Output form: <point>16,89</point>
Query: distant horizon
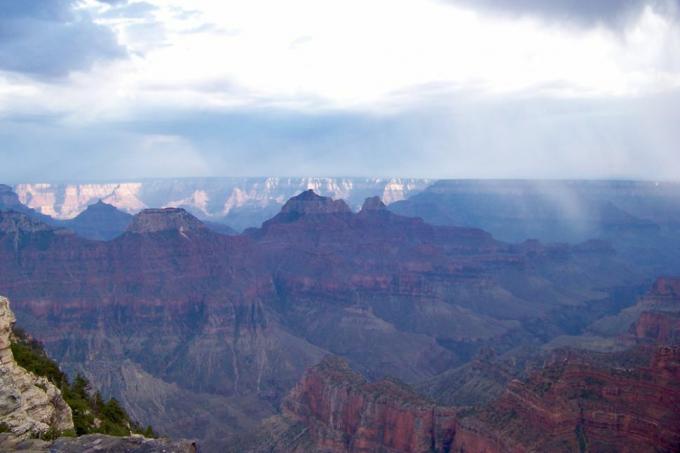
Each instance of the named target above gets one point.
<point>434,179</point>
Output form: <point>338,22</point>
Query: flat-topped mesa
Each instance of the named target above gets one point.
<point>167,219</point>
<point>373,204</point>
<point>309,202</point>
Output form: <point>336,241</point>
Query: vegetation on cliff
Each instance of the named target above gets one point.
<point>91,413</point>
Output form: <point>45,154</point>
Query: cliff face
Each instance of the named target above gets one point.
<point>344,413</point>
<point>29,405</point>
<point>664,289</point>
<point>578,403</point>
<point>333,409</point>
<point>657,327</point>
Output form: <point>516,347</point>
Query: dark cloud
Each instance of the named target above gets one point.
<point>50,38</point>
<point>586,12</point>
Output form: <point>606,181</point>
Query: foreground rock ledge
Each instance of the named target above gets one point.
<point>97,442</point>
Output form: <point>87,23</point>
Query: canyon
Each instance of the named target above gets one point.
<point>576,400</point>
<point>205,335</point>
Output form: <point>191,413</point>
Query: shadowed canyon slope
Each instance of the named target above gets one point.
<point>203,334</point>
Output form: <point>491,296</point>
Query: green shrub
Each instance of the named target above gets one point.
<point>91,413</point>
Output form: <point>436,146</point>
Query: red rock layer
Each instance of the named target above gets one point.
<point>574,404</point>
<point>657,327</point>
<point>666,288</point>
<point>345,413</point>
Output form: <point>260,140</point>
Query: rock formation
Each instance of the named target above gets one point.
<point>29,405</point>
<point>657,327</point>
<point>100,221</point>
<point>339,412</point>
<point>168,219</point>
<point>581,403</point>
<point>576,402</point>
<point>346,413</point>
<point>97,442</point>
<point>8,199</point>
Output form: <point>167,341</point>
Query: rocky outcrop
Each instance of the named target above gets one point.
<point>309,203</point>
<point>8,199</point>
<point>29,405</point>
<point>373,204</point>
<point>97,442</point>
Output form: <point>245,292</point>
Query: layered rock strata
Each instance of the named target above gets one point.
<point>29,405</point>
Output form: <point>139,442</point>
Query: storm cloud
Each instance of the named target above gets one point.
<point>51,38</point>
<point>426,88</point>
<point>584,12</point>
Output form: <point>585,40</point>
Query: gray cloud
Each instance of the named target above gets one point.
<point>586,12</point>
<point>513,137</point>
<point>50,38</point>
<point>130,10</point>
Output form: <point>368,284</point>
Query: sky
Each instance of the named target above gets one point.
<point>124,89</point>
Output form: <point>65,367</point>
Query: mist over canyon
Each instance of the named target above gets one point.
<point>208,334</point>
